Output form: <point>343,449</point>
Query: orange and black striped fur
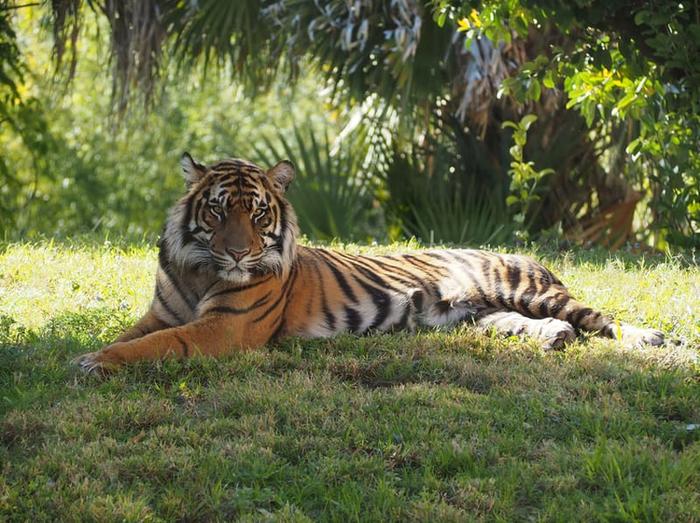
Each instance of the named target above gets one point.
<point>231,277</point>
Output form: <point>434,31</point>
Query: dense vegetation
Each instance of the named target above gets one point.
<point>436,426</point>
<point>445,120</point>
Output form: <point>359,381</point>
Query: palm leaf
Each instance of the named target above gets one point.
<point>330,195</point>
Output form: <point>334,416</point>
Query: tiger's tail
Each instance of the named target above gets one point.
<point>558,303</point>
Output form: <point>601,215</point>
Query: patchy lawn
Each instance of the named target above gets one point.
<point>437,426</point>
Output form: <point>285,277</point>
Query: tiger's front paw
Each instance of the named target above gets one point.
<point>99,362</point>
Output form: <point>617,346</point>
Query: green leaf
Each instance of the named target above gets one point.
<point>527,120</point>
<point>548,80</point>
<point>441,19</point>
<point>627,100</point>
<point>633,146</point>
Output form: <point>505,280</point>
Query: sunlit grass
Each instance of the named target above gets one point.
<point>455,425</point>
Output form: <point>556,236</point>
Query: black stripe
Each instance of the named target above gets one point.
<point>443,306</point>
<point>427,284</point>
<point>417,301</point>
<point>239,180</point>
<point>161,300</point>
<point>545,279</point>
<point>529,293</point>
<point>513,274</point>
<point>552,277</point>
<point>403,322</point>
<point>577,317</point>
<point>442,256</point>
<point>282,218</point>
<point>164,261</point>
<point>544,308</point>
<point>352,319</point>
<point>421,263</point>
<point>357,264</point>
<point>187,236</point>
<point>464,257</point>
<point>498,286</point>
<point>183,345</point>
<point>483,256</point>
<point>396,273</point>
<point>284,291</point>
<point>274,237</point>
<point>381,300</point>
<point>327,314</point>
<point>560,301</point>
<point>277,331</point>
<point>210,287</point>
<point>233,310</point>
<point>250,194</point>
<point>342,282</point>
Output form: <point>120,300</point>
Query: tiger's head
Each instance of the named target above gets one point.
<point>234,219</point>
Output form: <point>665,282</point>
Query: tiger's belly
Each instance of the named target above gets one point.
<point>387,312</point>
<point>363,294</point>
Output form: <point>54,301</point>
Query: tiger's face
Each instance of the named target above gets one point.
<point>234,219</point>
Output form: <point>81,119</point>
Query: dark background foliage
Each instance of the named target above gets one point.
<point>452,121</point>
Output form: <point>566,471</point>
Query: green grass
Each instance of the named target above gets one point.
<point>437,426</point>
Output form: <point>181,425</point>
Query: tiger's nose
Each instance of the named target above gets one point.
<point>236,254</point>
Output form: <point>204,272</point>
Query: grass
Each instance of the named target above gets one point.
<point>437,426</point>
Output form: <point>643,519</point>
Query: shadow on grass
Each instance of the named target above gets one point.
<point>431,426</point>
<point>35,366</point>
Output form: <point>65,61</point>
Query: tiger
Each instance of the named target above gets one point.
<point>232,277</point>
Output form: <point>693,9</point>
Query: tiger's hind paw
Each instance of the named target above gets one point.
<point>556,333</point>
<point>638,336</point>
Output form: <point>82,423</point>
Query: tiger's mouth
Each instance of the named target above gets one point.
<point>235,274</point>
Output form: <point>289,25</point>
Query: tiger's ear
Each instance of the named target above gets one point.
<point>282,174</point>
<point>192,171</point>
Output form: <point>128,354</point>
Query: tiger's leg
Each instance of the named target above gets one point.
<point>147,324</point>
<point>552,332</point>
<point>212,335</point>
<point>556,302</point>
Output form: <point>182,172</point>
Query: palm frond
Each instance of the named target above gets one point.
<point>437,197</point>
<point>332,193</point>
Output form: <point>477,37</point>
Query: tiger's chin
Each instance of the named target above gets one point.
<point>235,275</point>
<point>271,263</point>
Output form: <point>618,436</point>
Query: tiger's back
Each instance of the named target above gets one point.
<point>337,292</point>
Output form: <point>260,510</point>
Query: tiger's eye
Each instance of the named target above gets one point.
<point>259,213</point>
